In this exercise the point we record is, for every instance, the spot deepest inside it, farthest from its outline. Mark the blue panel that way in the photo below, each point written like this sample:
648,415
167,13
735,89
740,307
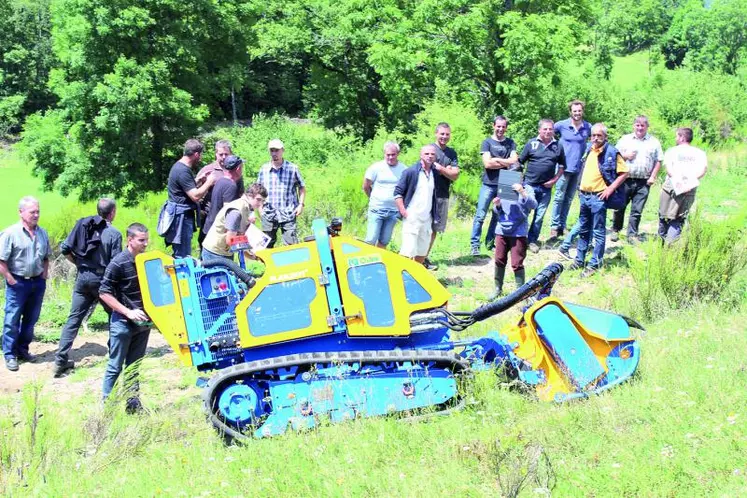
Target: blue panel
291,256
282,307
568,346
606,324
370,283
332,286
349,249
414,292
159,283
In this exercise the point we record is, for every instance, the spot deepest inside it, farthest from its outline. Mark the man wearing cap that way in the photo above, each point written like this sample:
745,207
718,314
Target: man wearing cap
233,219
225,190
24,263
286,193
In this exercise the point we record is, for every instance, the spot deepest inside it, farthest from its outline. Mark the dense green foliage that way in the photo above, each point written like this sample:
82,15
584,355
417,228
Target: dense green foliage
133,81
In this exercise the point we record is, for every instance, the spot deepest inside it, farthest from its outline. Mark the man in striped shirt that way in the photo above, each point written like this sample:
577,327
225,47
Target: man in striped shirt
286,193
130,326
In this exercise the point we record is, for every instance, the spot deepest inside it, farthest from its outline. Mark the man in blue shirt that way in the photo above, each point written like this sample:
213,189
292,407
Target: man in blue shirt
573,132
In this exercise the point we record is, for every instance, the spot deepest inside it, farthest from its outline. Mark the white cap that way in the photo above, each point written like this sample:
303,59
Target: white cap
275,143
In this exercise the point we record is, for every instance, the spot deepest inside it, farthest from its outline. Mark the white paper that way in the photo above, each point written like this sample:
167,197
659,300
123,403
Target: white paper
257,239
682,184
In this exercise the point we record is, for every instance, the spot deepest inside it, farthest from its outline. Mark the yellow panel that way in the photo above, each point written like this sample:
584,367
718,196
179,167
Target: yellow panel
169,319
532,349
394,264
274,274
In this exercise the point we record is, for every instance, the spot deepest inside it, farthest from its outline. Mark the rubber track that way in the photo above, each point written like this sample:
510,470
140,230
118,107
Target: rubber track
459,365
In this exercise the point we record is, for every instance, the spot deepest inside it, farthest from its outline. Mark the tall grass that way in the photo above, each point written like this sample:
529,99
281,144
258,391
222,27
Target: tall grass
707,264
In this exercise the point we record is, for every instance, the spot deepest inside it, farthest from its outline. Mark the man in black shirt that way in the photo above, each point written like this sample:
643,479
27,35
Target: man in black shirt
498,152
184,196
544,161
90,246
129,327
447,171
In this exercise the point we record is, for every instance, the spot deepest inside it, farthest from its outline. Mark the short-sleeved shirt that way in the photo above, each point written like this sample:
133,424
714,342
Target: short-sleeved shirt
224,191
120,280
383,179
24,254
592,179
181,181
648,152
283,185
684,160
501,149
541,161
573,141
233,220
446,157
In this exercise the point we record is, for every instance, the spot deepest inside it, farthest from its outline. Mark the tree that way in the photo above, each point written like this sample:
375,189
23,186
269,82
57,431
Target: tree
713,38
134,80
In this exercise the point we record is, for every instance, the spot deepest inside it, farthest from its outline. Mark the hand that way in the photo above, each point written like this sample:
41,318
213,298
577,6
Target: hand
519,188
630,155
549,183
136,316
496,201
252,218
604,194
403,214
650,181
210,180
297,212
11,281
45,275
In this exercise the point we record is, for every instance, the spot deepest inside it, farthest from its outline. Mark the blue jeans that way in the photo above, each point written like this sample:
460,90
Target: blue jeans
570,237
592,221
127,345
542,195
484,202
184,247
381,225
211,256
670,230
23,302
565,190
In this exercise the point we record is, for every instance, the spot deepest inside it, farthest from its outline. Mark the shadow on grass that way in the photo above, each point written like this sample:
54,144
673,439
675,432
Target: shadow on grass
481,260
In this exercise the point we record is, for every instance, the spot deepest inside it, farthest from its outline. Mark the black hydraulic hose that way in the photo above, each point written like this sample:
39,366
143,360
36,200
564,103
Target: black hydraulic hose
230,265
543,280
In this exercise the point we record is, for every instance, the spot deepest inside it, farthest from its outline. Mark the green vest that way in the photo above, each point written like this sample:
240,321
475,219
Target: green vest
215,240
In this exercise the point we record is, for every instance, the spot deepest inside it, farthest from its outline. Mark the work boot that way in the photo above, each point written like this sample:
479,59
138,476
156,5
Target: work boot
11,364
61,368
133,406
499,273
520,277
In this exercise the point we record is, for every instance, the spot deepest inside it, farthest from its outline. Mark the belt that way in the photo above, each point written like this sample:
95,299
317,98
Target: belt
21,277
586,192
99,272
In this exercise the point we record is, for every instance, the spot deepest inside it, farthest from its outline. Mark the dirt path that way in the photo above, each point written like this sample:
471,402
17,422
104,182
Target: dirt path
89,351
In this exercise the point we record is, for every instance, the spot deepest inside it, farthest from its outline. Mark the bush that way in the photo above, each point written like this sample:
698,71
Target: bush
706,265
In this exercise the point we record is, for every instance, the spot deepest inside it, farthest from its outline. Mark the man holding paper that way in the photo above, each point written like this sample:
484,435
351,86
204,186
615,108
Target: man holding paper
234,218
685,166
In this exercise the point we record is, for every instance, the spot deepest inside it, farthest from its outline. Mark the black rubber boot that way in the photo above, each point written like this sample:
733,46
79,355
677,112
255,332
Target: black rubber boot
520,277
500,271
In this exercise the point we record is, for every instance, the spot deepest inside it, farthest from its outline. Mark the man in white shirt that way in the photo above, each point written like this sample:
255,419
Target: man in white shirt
414,196
378,184
685,166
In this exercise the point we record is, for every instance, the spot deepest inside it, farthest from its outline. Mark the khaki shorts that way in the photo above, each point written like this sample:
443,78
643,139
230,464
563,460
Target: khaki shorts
442,212
416,238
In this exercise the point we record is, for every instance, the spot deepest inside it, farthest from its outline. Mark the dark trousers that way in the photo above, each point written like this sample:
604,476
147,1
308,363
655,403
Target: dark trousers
637,196
85,297
287,229
127,345
517,246
23,302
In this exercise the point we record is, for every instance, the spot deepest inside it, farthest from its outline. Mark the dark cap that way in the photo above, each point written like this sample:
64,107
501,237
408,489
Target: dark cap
232,162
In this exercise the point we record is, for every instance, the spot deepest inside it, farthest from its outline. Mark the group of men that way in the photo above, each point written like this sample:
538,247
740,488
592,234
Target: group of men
571,156
215,203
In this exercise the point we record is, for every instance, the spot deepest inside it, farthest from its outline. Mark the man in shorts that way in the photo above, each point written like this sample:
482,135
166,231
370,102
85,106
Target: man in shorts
447,167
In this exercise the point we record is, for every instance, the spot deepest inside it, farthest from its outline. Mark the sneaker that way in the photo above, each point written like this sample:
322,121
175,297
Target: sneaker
11,364
588,271
60,369
565,254
133,406
615,237
575,266
429,266
534,248
475,251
